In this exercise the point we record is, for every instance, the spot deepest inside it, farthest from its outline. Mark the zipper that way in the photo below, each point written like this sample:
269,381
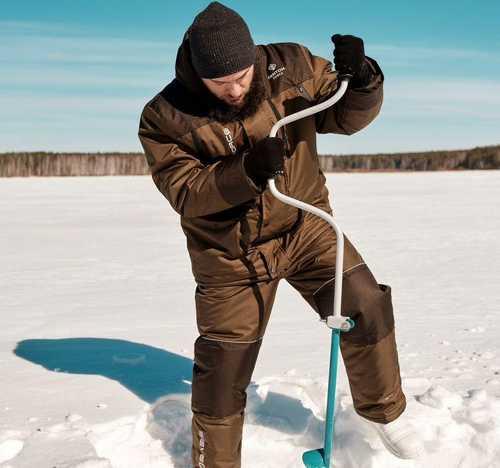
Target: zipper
260,204
285,139
304,91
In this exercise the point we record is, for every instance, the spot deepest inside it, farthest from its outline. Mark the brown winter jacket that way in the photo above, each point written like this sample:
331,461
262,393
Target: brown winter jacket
196,162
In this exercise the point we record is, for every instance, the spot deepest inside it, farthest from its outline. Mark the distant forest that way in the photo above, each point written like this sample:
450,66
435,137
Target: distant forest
98,164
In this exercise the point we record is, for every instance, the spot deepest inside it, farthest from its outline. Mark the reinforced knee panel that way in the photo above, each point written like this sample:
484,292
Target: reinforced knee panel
221,373
368,303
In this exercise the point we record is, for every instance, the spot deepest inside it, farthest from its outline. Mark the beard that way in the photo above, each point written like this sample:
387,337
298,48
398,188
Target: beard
225,113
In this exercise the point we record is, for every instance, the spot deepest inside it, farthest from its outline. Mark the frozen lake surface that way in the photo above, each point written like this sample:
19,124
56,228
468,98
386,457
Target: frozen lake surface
97,326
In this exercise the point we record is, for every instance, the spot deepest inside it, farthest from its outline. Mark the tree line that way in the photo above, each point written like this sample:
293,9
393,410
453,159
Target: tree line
22,164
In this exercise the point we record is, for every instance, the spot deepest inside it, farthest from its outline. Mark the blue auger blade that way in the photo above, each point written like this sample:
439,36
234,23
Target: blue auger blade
321,458
313,459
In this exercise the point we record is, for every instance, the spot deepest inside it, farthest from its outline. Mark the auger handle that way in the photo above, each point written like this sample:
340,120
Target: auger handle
336,321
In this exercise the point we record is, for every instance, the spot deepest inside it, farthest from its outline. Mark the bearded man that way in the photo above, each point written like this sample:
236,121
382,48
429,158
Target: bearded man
205,137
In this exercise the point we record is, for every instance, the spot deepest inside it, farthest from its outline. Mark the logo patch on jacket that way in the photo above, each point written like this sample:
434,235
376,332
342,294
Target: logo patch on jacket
229,139
275,71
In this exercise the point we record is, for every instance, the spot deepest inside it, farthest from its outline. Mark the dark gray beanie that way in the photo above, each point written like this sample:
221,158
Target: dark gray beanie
220,42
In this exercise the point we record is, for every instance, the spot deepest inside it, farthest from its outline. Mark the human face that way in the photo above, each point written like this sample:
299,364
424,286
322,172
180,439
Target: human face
231,89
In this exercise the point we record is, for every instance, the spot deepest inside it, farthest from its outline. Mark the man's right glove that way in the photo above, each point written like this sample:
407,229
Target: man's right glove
265,160
349,57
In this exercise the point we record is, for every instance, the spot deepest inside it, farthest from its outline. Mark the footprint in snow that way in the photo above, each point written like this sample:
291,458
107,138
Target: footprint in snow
9,449
475,330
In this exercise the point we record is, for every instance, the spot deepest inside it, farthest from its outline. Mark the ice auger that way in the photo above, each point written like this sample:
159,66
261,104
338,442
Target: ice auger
321,458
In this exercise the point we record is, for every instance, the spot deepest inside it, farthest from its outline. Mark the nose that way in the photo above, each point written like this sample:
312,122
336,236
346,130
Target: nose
235,91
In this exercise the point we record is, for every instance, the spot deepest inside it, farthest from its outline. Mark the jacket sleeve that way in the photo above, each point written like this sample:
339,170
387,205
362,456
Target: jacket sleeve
356,109
192,188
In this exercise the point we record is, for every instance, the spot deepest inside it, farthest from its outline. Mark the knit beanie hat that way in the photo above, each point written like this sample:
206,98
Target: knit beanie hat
220,42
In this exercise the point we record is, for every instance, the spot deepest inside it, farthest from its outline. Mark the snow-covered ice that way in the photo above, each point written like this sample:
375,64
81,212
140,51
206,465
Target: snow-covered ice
97,324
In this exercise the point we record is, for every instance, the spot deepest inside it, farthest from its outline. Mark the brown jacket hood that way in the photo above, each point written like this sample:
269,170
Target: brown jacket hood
184,70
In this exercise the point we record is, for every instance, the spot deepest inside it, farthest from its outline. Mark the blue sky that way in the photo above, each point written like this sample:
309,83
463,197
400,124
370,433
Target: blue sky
75,74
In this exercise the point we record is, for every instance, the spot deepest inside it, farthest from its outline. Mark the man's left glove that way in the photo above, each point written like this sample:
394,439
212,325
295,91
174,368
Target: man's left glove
349,57
265,160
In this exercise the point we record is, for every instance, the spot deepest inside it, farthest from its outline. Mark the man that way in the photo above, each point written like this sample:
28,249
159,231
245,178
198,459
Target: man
205,137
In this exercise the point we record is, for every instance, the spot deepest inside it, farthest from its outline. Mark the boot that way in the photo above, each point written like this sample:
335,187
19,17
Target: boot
400,438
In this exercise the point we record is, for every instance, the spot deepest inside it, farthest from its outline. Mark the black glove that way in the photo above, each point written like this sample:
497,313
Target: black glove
349,58
265,160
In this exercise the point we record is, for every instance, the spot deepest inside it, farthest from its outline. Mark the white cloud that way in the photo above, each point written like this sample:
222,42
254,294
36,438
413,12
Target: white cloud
9,27
416,53
479,99
86,50
406,59
53,77
75,58
35,106
32,43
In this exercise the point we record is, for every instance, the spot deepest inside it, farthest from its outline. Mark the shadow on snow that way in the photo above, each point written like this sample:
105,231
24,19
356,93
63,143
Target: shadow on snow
148,372
163,379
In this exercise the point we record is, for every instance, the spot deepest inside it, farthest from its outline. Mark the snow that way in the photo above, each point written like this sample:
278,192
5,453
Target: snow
97,326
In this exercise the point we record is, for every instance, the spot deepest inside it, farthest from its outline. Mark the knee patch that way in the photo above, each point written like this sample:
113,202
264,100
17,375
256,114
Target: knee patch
221,374
368,303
